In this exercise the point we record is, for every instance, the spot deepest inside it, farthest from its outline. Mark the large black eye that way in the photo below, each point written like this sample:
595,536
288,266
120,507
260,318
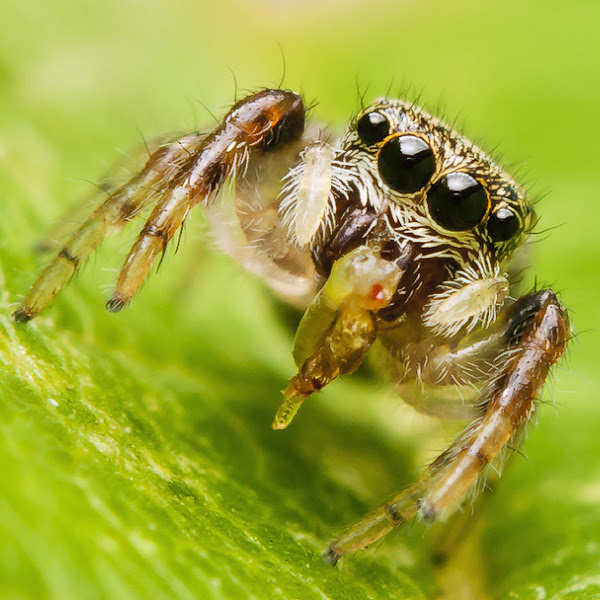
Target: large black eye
457,202
503,224
406,163
372,128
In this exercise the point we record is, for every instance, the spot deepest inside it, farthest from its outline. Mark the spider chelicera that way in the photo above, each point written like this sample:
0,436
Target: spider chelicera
398,235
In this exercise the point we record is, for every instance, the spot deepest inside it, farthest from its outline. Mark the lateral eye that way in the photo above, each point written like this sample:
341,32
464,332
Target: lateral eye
457,202
372,128
503,225
406,163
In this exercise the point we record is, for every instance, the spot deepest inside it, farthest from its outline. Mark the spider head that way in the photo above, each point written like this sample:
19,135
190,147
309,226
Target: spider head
437,187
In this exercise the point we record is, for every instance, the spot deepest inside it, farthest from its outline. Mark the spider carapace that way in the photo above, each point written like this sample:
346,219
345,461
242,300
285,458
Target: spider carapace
397,235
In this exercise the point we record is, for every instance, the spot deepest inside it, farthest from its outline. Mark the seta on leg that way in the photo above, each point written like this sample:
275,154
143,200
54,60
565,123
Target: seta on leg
536,339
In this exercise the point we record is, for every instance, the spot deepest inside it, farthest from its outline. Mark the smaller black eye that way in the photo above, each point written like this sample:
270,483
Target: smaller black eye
406,163
503,224
457,202
372,128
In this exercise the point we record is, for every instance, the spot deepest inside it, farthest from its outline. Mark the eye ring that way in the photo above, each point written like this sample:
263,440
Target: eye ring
373,127
458,201
406,163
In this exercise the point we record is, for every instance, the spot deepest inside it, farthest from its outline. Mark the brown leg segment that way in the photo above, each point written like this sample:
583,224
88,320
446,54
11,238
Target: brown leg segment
120,207
262,121
536,339
179,175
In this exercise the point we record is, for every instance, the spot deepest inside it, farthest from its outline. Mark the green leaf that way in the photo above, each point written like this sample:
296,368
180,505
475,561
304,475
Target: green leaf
134,472
136,454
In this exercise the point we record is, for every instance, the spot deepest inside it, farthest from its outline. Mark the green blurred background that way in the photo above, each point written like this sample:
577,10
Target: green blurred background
136,458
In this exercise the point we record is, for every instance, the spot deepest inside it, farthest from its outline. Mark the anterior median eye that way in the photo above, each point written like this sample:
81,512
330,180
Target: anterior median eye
406,163
457,202
503,224
373,128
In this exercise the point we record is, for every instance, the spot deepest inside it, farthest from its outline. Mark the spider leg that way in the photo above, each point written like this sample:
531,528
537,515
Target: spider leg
258,123
119,208
437,378
259,229
534,341
179,175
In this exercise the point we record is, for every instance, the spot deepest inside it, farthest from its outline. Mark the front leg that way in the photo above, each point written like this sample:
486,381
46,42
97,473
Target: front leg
261,122
177,176
535,339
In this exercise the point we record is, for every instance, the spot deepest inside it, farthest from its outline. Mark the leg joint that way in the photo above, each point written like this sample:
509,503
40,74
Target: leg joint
66,254
396,515
427,511
151,230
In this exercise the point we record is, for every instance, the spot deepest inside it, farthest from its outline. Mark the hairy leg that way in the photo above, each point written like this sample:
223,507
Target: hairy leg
260,122
436,371
258,228
437,377
120,207
536,339
179,176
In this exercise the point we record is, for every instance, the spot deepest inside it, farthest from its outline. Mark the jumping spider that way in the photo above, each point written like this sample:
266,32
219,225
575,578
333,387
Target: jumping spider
399,233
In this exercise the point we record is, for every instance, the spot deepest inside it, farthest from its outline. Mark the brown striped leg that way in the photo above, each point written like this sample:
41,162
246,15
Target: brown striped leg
120,207
259,123
535,340
177,176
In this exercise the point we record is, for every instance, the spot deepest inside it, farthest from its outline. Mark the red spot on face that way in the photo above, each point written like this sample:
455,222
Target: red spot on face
377,294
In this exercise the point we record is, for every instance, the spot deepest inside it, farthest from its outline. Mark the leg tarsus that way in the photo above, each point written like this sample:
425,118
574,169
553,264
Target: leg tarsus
22,316
330,556
115,304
